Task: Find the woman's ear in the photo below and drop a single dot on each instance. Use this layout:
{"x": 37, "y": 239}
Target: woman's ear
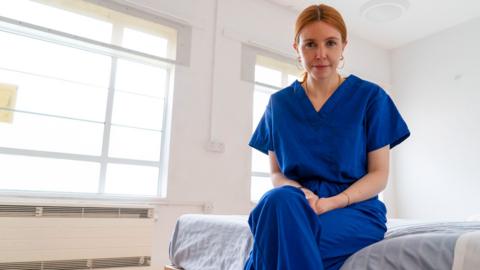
{"x": 295, "y": 47}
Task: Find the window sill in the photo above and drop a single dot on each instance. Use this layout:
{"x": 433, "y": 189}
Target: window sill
{"x": 95, "y": 200}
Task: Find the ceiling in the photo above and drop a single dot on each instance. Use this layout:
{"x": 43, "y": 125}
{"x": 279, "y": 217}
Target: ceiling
{"x": 421, "y": 19}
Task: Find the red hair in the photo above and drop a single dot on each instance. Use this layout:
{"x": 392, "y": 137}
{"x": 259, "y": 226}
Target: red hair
{"x": 324, "y": 13}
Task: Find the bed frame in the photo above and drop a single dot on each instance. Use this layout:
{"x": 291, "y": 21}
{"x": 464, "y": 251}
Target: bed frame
{"x": 171, "y": 267}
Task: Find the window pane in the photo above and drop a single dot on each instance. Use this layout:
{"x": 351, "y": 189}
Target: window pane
{"x": 135, "y": 143}
{"x": 292, "y": 78}
{"x": 259, "y": 185}
{"x": 141, "y": 79}
{"x": 55, "y": 97}
{"x": 380, "y": 196}
{"x": 48, "y": 174}
{"x": 144, "y": 42}
{"x": 49, "y": 17}
{"x": 131, "y": 179}
{"x": 43, "y": 58}
{"x": 138, "y": 111}
{"x": 62, "y": 94}
{"x": 260, "y": 162}
{"x": 260, "y": 102}
{"x": 45, "y": 133}
{"x": 268, "y": 76}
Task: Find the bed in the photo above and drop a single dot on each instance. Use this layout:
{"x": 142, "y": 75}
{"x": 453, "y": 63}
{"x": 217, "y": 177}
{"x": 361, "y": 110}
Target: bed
{"x": 223, "y": 242}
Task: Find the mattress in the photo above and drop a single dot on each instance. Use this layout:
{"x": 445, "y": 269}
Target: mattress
{"x": 426, "y": 246}
{"x": 210, "y": 242}
{"x": 223, "y": 242}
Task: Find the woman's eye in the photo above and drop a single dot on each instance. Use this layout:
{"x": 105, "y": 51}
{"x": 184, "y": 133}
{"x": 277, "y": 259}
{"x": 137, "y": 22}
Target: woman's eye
{"x": 310, "y": 45}
{"x": 331, "y": 43}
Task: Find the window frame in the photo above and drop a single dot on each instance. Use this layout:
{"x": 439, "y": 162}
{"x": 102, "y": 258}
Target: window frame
{"x": 115, "y": 52}
{"x": 250, "y": 56}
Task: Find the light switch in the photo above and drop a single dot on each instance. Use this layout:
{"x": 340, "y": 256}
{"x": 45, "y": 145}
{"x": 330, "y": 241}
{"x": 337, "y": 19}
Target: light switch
{"x": 8, "y": 95}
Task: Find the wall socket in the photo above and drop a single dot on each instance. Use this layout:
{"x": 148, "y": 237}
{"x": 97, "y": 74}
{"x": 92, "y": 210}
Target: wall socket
{"x": 208, "y": 208}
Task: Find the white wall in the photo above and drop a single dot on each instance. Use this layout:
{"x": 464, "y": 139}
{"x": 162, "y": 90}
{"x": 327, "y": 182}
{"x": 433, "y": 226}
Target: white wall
{"x": 222, "y": 109}
{"x": 436, "y": 82}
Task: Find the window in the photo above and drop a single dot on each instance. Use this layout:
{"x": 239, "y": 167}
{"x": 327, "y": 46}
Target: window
{"x": 271, "y": 75}
{"x": 96, "y": 23}
{"x": 90, "y": 99}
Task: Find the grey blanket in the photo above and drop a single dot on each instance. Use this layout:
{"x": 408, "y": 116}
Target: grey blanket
{"x": 221, "y": 242}
{"x": 428, "y": 246}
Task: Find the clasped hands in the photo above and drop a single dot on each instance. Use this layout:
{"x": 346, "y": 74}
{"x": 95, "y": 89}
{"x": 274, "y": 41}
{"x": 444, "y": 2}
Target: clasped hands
{"x": 319, "y": 205}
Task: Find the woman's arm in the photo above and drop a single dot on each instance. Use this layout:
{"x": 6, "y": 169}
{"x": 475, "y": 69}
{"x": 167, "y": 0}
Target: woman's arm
{"x": 278, "y": 180}
{"x": 366, "y": 187}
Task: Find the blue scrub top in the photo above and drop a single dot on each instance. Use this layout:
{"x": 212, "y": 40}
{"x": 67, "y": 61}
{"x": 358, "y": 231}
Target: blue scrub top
{"x": 331, "y": 144}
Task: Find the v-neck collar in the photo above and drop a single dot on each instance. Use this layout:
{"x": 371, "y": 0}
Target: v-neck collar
{"x": 329, "y": 104}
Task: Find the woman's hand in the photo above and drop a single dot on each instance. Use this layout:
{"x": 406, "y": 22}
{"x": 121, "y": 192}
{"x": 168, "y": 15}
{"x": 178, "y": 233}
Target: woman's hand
{"x": 308, "y": 193}
{"x": 310, "y": 196}
{"x": 312, "y": 199}
{"x": 323, "y": 205}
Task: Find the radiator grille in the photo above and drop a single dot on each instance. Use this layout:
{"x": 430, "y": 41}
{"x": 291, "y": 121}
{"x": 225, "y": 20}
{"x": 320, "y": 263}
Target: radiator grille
{"x": 124, "y": 262}
{"x": 17, "y": 211}
{"x": 79, "y": 264}
{"x": 66, "y": 265}
{"x": 21, "y": 266}
{"x": 74, "y": 212}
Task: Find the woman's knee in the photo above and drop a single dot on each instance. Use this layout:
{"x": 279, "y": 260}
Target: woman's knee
{"x": 281, "y": 195}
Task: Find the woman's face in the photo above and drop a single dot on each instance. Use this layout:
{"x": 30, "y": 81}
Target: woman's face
{"x": 320, "y": 47}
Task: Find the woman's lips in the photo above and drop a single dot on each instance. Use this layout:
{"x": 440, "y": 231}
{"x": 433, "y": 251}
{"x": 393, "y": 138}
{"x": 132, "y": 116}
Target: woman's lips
{"x": 320, "y": 66}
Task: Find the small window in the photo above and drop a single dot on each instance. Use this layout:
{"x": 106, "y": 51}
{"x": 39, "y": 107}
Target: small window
{"x": 270, "y": 76}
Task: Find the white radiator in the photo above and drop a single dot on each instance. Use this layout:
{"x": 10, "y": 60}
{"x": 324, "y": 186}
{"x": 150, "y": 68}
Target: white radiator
{"x": 65, "y": 237}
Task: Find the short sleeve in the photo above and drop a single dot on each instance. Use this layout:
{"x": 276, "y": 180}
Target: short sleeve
{"x": 384, "y": 124}
{"x": 262, "y": 137}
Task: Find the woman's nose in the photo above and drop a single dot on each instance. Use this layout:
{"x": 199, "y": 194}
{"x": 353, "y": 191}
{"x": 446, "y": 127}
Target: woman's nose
{"x": 320, "y": 53}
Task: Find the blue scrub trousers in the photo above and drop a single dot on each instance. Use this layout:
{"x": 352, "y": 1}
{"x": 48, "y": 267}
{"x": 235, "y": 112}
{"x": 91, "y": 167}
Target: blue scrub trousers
{"x": 289, "y": 235}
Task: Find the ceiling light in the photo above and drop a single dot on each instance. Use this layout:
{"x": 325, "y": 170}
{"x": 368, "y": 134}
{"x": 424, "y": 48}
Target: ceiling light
{"x": 384, "y": 10}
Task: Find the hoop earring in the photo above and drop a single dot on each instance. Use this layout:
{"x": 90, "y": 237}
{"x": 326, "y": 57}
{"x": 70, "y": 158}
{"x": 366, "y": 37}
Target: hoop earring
{"x": 342, "y": 61}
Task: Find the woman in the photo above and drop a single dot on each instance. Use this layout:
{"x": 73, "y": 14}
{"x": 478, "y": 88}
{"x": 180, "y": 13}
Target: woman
{"x": 328, "y": 139}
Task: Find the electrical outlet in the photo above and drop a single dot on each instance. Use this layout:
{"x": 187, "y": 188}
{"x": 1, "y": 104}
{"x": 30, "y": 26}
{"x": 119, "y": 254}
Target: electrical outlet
{"x": 208, "y": 207}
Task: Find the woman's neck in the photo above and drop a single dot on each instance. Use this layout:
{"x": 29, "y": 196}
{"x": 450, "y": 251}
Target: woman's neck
{"x": 323, "y": 87}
